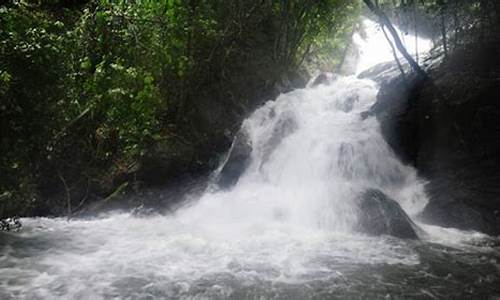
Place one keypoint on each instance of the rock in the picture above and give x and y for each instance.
(347, 105)
(284, 127)
(142, 211)
(448, 129)
(383, 72)
(237, 162)
(394, 109)
(10, 224)
(320, 79)
(379, 215)
(324, 78)
(461, 214)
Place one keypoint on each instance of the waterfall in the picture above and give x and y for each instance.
(285, 227)
(312, 154)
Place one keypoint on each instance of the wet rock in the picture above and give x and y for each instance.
(324, 78)
(320, 79)
(383, 72)
(448, 129)
(379, 215)
(237, 162)
(462, 214)
(347, 104)
(10, 224)
(144, 201)
(142, 211)
(393, 109)
(284, 127)
(288, 82)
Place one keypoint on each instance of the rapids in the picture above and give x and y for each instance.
(284, 231)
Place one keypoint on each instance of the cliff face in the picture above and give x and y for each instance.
(449, 128)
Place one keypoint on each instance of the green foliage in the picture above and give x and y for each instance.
(32, 80)
(90, 88)
(313, 28)
(329, 46)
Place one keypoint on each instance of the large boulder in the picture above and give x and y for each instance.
(448, 129)
(237, 161)
(394, 109)
(381, 215)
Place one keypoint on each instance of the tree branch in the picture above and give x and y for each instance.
(384, 20)
(400, 67)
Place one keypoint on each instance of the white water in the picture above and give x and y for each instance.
(287, 220)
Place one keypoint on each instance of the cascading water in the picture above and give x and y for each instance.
(283, 231)
(312, 155)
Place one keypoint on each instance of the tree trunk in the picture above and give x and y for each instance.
(383, 19)
(394, 53)
(415, 24)
(443, 34)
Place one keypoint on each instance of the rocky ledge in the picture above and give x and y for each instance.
(448, 128)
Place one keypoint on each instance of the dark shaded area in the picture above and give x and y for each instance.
(448, 128)
(144, 201)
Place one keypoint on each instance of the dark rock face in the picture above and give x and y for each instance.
(237, 162)
(460, 152)
(449, 129)
(379, 215)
